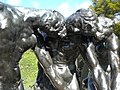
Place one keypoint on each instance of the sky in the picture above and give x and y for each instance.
(66, 7)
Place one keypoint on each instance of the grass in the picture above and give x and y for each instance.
(28, 66)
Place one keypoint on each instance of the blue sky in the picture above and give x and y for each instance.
(66, 7)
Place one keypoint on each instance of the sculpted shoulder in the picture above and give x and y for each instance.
(49, 21)
(9, 14)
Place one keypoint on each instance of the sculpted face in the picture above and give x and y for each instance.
(89, 21)
(105, 28)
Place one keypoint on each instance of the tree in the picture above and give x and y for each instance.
(117, 29)
(108, 8)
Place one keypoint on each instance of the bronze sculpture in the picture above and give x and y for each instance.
(91, 30)
(95, 32)
(18, 32)
(54, 41)
(53, 50)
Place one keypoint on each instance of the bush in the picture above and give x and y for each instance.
(117, 29)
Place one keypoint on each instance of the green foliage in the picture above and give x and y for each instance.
(117, 29)
(28, 66)
(108, 8)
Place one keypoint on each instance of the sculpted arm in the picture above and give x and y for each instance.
(98, 73)
(113, 46)
(46, 62)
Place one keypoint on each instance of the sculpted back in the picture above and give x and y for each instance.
(15, 38)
